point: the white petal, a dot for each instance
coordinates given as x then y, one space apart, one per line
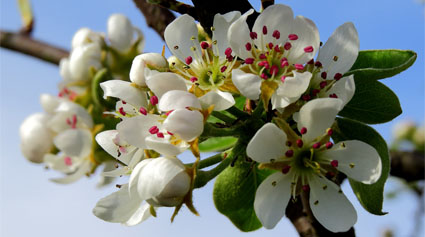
82 59
142 61
176 99
164 146
36 137
116 172
187 124
64 69
344 89
66 110
276 17
106 140
317 116
163 82
367 163
134 177
294 86
134 130
308 35
85 36
343 43
178 36
124 91
119 207
174 192
82 170
50 103
280 102
333 210
141 214
74 142
247 83
220 100
269 143
271 199
238 36
221 25
105 180
120 32
57 162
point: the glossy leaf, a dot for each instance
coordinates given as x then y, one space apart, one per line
217 144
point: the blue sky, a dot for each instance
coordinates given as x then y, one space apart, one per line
30 204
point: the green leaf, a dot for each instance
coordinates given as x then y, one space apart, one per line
217 144
370 196
372 103
379 64
234 194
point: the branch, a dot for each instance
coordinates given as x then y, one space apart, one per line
176 6
24 44
407 165
156 17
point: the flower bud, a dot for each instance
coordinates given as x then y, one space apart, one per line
151 60
82 59
120 32
64 69
36 137
50 103
85 36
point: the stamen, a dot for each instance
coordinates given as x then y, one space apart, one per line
264 76
287 46
335 58
249 60
248 46
306 188
333 95
253 35
289 143
300 143
204 45
329 145
122 150
154 100
324 75
282 79
277 48
289 153
223 68
337 76
314 92
263 56
189 60
284 62
318 64
351 165
193 79
276 34
306 97
311 62
330 174
308 49
270 45
123 101
169 112
299 66
122 112
329 131
265 30
143 111
323 84
292 37
68 161
170 133
274 70
334 163
303 130
286 169
154 130
160 135
316 145
228 51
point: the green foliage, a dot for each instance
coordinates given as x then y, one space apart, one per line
379 64
372 103
370 196
217 144
234 194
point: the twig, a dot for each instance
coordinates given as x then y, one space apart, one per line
176 6
407 165
156 17
24 44
266 3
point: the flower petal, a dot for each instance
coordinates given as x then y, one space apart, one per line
176 99
124 91
280 102
61 163
247 83
83 169
344 89
269 143
74 142
36 137
271 199
120 32
356 159
221 26
134 130
162 82
308 35
144 61
238 36
185 123
106 140
317 116
294 86
164 146
82 59
330 206
343 43
180 35
50 103
220 100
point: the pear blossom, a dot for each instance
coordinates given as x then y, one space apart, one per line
82 60
205 65
308 162
153 61
85 36
121 34
153 183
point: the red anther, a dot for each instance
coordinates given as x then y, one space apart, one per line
264 64
288 143
287 46
316 145
123 102
330 174
323 84
300 143
289 153
68 161
334 163
229 58
189 60
299 66
263 56
318 64
306 188
311 61
248 46
66 90
329 145
286 169
170 133
308 49
169 112
228 51
276 34
333 95
303 130
292 37
249 60
274 70
282 79
284 64
143 111
337 76
277 48
193 79
122 150
204 45
122 112
265 30
160 135
60 94
314 92
74 119
154 100
324 75
223 68
330 132
261 64
253 35
68 121
154 130
270 45
264 76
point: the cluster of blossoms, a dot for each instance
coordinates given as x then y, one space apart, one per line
165 107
